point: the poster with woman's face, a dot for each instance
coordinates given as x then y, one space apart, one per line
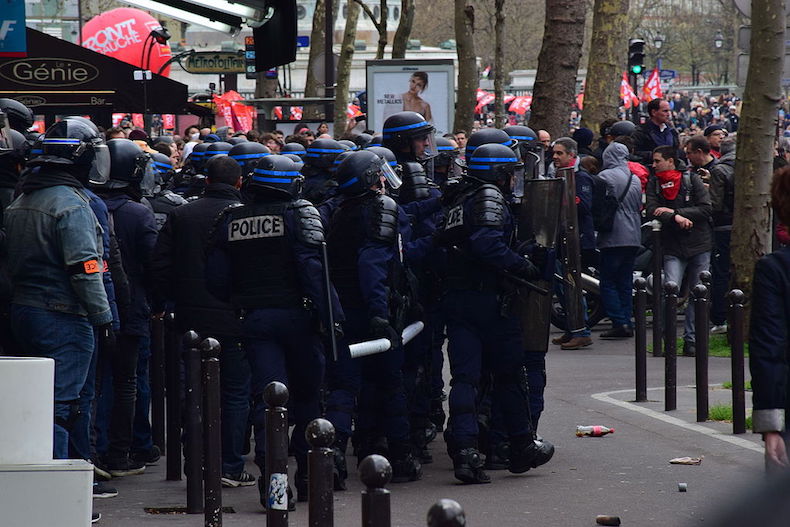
423 86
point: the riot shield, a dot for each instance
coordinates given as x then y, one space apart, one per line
539 221
571 254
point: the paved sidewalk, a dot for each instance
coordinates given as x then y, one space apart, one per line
625 474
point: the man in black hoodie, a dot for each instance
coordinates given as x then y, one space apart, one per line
178 275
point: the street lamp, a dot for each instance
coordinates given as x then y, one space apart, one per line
718 40
658 40
158 35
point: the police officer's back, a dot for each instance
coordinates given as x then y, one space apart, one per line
162 199
319 165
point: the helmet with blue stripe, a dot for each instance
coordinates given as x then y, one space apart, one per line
322 153
294 148
377 140
386 154
446 152
248 153
350 144
360 171
492 163
487 136
74 141
218 148
276 173
402 128
298 160
195 160
162 166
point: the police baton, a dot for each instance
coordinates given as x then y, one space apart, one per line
329 309
371 347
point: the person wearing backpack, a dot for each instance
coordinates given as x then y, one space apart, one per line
681 202
618 241
722 197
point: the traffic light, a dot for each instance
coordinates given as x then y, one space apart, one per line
636 56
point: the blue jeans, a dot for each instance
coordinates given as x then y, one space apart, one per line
674 270
80 438
282 345
142 440
617 269
720 269
235 400
68 339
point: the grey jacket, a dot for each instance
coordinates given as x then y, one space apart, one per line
626 231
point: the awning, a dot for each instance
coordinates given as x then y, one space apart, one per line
59 77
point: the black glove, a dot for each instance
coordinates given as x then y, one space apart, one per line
106 337
527 270
381 328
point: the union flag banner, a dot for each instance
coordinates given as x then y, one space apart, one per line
652 89
627 93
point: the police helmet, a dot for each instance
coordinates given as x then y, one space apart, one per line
15 152
415 183
339 159
621 128
298 160
248 152
377 140
162 166
322 153
446 152
362 140
294 148
196 156
402 128
386 154
492 163
77 143
276 173
131 166
350 144
20 117
219 148
237 140
487 136
361 170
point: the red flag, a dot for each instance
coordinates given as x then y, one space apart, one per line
652 89
353 111
521 104
168 121
296 113
580 101
486 99
278 112
508 98
627 93
137 120
481 93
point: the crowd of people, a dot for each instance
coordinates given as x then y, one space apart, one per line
107 230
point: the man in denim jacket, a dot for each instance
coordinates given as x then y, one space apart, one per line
55 262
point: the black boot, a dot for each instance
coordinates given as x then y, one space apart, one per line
405 467
527 453
437 416
499 457
545 452
468 465
302 486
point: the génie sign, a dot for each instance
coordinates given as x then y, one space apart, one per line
49 72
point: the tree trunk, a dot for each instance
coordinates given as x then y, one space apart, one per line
467 66
382 28
344 68
558 63
751 232
499 63
313 85
403 32
607 53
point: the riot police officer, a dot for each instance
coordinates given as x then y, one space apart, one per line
444 162
191 180
480 327
294 148
366 268
265 259
161 199
487 136
19 116
529 150
410 137
319 165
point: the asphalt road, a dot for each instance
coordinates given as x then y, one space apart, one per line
626 474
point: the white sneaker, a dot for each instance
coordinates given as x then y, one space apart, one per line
718 330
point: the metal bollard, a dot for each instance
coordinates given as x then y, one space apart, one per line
275 395
658 268
700 294
212 436
707 280
640 339
375 472
193 423
173 401
320 435
736 298
157 373
670 346
446 513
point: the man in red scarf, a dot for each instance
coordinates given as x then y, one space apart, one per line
681 203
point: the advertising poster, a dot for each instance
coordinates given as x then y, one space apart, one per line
423 86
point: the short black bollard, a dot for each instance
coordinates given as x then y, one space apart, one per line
670 346
275 395
212 436
193 423
657 289
736 298
320 435
706 279
375 472
446 513
640 339
700 294
173 401
157 373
